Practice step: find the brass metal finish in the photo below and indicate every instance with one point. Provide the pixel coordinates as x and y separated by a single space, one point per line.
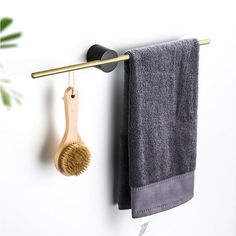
78 66
90 64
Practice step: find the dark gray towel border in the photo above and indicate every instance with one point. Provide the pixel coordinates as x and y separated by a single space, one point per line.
163 195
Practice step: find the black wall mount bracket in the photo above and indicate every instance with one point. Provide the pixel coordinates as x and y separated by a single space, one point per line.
99 52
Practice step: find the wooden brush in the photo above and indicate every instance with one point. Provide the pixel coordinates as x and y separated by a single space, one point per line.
72 156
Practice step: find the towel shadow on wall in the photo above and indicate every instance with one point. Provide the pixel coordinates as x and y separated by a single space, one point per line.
117 114
50 142
117 111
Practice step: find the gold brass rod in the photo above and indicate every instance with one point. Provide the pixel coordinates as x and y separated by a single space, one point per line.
204 41
89 64
78 66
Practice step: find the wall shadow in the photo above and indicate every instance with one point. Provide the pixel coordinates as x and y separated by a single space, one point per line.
50 142
116 111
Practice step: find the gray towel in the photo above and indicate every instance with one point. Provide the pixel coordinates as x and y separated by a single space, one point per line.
159 133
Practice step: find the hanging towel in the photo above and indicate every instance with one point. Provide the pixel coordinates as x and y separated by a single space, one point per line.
159 132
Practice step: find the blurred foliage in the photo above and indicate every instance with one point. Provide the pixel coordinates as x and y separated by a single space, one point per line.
4 40
8 95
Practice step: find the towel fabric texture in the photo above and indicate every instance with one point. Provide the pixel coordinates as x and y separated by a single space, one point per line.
159 131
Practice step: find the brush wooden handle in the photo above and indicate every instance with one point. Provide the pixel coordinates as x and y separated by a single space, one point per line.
71 134
71 101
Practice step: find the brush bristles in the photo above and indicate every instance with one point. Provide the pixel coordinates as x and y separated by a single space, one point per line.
74 159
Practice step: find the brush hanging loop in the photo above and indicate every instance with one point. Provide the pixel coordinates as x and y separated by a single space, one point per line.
73 82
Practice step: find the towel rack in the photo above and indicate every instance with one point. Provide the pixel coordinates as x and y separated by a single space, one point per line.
97 56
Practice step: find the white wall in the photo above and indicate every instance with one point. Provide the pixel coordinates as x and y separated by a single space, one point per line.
37 200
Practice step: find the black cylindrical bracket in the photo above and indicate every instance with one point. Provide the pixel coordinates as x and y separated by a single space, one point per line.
98 52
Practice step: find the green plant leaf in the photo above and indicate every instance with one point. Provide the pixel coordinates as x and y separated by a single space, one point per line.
8 46
17 100
10 37
6 98
4 23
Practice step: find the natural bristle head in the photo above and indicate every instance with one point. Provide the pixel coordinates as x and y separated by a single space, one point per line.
74 159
